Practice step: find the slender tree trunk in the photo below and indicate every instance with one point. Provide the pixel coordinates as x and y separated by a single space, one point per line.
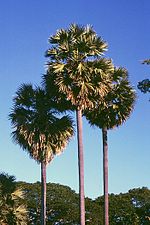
43 193
81 167
105 175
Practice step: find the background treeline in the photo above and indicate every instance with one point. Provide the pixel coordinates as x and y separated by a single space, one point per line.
128 208
62 206
20 203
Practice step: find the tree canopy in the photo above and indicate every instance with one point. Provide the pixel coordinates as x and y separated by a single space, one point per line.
62 206
75 58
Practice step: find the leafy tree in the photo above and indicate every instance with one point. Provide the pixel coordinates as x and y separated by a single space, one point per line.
74 59
62 206
121 210
144 85
128 208
39 130
112 112
140 198
12 208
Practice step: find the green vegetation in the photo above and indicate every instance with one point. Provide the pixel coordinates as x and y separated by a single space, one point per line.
63 206
38 130
109 113
78 78
13 208
144 85
80 73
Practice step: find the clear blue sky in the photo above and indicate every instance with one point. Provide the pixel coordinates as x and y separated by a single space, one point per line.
125 25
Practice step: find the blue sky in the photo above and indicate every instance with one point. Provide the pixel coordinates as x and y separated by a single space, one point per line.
125 25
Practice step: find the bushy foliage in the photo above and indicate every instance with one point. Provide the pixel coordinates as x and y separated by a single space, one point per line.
63 206
12 206
129 208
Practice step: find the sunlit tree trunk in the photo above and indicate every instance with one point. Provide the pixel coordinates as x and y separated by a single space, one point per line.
43 193
105 176
81 167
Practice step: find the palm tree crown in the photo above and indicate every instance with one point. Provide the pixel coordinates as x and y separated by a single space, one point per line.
36 128
71 57
116 105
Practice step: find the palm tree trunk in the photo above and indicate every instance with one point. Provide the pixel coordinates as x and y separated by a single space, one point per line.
43 193
105 175
81 166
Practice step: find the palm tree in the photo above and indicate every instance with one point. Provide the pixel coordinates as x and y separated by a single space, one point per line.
38 130
12 208
110 113
71 59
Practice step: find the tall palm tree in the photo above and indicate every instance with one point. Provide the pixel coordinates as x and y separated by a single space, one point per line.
71 57
110 113
39 130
